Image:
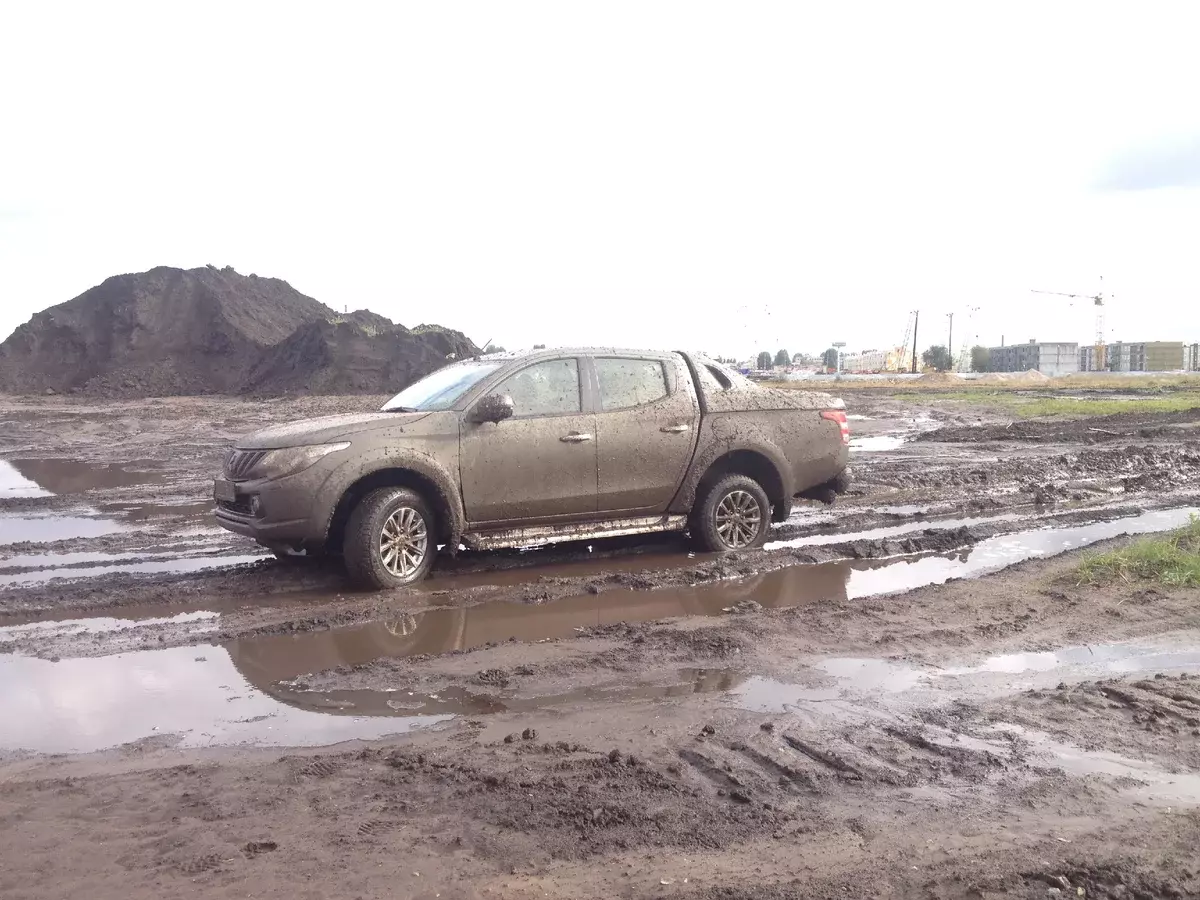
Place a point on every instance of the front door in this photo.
(539, 465)
(646, 420)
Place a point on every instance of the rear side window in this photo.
(630, 382)
(714, 379)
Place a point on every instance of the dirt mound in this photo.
(940, 378)
(169, 332)
(364, 353)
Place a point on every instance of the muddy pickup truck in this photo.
(522, 449)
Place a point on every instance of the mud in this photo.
(907, 695)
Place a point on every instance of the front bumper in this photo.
(269, 512)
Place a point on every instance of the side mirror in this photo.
(493, 408)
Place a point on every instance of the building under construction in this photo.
(1144, 356)
(872, 362)
(1049, 359)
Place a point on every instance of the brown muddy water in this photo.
(250, 690)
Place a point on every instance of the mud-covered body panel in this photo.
(595, 465)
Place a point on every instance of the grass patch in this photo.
(952, 385)
(1172, 560)
(1039, 407)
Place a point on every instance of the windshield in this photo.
(441, 389)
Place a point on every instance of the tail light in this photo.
(839, 416)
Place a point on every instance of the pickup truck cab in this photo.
(521, 449)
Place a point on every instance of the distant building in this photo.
(1143, 356)
(1049, 359)
(1193, 362)
(875, 361)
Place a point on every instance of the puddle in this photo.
(58, 560)
(175, 565)
(14, 485)
(885, 531)
(143, 512)
(456, 701)
(100, 625)
(1158, 784)
(71, 476)
(909, 509)
(869, 675)
(442, 630)
(1112, 659)
(83, 705)
(997, 553)
(876, 443)
(43, 529)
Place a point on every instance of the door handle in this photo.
(575, 437)
(675, 429)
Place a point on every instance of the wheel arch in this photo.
(753, 463)
(427, 480)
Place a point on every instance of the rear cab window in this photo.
(626, 383)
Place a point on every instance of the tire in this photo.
(723, 512)
(397, 510)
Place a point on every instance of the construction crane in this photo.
(909, 336)
(1097, 301)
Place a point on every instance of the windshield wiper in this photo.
(401, 409)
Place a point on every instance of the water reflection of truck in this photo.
(275, 658)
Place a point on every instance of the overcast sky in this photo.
(731, 177)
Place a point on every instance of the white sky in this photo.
(732, 177)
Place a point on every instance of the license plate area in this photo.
(224, 491)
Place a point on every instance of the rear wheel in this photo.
(389, 539)
(732, 514)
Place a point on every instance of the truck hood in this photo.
(325, 430)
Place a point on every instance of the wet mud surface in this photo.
(905, 695)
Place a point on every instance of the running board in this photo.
(585, 531)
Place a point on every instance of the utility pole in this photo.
(838, 345)
(916, 322)
(950, 345)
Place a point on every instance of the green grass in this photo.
(1172, 560)
(1040, 407)
(1026, 406)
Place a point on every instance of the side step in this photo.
(577, 531)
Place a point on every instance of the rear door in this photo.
(540, 465)
(646, 422)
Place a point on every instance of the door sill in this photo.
(580, 531)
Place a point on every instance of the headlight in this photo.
(289, 461)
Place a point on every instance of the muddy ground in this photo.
(905, 695)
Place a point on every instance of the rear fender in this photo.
(719, 437)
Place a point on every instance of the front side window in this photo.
(441, 389)
(546, 389)
(630, 382)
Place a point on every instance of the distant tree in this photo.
(764, 360)
(493, 348)
(782, 358)
(979, 359)
(830, 358)
(937, 357)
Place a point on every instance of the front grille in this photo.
(240, 463)
(241, 507)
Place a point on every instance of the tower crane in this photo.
(1097, 301)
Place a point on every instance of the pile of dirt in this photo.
(1032, 376)
(349, 357)
(171, 332)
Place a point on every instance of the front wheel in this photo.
(732, 515)
(389, 539)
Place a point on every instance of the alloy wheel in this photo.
(738, 519)
(404, 542)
